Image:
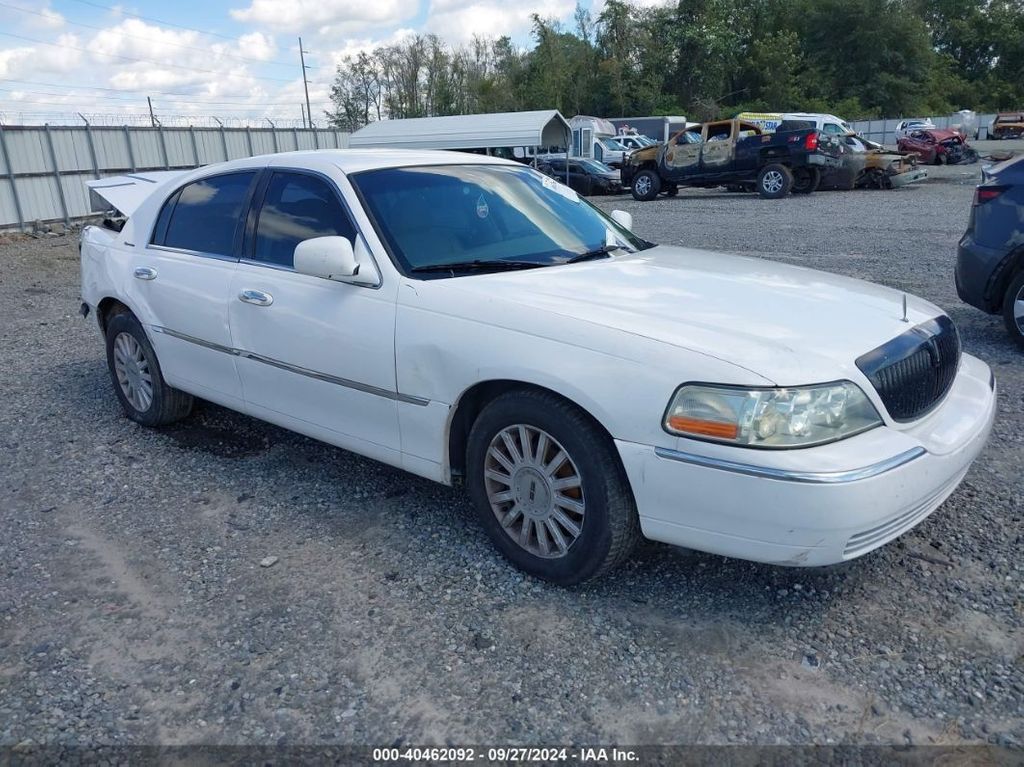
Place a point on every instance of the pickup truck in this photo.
(735, 153)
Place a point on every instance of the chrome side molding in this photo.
(786, 475)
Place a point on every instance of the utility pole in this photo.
(152, 119)
(305, 82)
(303, 108)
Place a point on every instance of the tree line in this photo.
(708, 58)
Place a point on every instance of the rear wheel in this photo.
(806, 180)
(549, 489)
(774, 181)
(646, 185)
(138, 382)
(1013, 308)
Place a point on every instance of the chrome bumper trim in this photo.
(786, 475)
(347, 383)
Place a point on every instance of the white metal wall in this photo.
(43, 169)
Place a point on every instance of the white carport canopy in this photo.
(485, 131)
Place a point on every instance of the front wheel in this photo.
(1013, 309)
(549, 488)
(774, 181)
(646, 185)
(138, 382)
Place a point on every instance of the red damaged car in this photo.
(937, 145)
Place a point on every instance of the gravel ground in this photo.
(136, 607)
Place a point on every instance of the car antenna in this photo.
(905, 318)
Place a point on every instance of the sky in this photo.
(233, 59)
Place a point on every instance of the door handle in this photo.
(256, 297)
(145, 273)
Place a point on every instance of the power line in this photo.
(62, 46)
(151, 40)
(256, 108)
(127, 98)
(150, 18)
(190, 96)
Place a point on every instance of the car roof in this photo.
(355, 160)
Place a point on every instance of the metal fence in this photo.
(43, 169)
(884, 130)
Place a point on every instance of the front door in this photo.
(314, 354)
(682, 155)
(181, 282)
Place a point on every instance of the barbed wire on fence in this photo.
(143, 120)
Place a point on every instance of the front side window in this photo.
(432, 216)
(297, 207)
(206, 215)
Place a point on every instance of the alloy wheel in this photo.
(133, 373)
(643, 186)
(1018, 310)
(772, 181)
(535, 490)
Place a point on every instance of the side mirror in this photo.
(623, 219)
(331, 258)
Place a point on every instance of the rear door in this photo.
(719, 147)
(182, 282)
(315, 355)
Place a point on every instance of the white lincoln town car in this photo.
(472, 321)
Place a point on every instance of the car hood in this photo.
(943, 135)
(787, 324)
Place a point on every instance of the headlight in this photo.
(799, 416)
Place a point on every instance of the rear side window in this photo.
(205, 215)
(297, 207)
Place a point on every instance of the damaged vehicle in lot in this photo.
(867, 164)
(473, 321)
(937, 146)
(733, 153)
(1007, 125)
(990, 256)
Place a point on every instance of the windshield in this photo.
(459, 214)
(611, 144)
(596, 167)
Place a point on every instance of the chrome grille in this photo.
(913, 371)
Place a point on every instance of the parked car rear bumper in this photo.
(975, 267)
(817, 506)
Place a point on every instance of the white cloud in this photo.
(27, 61)
(458, 21)
(296, 15)
(257, 45)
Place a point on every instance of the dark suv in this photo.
(990, 257)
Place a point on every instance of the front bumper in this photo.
(816, 506)
(908, 177)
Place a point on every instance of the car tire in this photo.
(565, 523)
(138, 381)
(940, 159)
(774, 181)
(646, 185)
(1013, 309)
(806, 180)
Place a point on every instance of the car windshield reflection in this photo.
(432, 216)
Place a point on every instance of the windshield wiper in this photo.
(477, 266)
(603, 252)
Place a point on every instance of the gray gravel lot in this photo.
(134, 608)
